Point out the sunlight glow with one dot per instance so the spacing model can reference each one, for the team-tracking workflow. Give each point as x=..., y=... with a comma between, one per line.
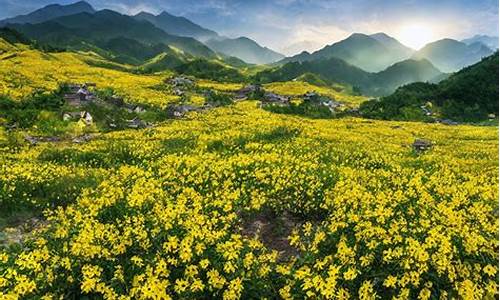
x=415, y=35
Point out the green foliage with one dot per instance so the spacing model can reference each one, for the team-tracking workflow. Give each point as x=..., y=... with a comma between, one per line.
x=131, y=51
x=13, y=36
x=313, y=79
x=303, y=109
x=404, y=104
x=162, y=62
x=217, y=98
x=25, y=113
x=205, y=69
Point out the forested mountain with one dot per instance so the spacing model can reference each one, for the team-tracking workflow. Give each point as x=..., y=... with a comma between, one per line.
x=337, y=70
x=468, y=95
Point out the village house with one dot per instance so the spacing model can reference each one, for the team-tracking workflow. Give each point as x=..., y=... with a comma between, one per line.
x=136, y=123
x=245, y=92
x=272, y=98
x=316, y=99
x=181, y=81
x=179, y=111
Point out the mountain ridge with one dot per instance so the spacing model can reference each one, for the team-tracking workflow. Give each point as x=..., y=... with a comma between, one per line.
x=246, y=49
x=370, y=83
x=450, y=55
x=49, y=12
x=104, y=25
x=361, y=50
x=489, y=41
x=177, y=25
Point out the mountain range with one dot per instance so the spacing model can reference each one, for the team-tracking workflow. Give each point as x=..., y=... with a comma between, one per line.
x=243, y=48
x=376, y=52
x=371, y=53
x=335, y=70
x=175, y=31
x=451, y=55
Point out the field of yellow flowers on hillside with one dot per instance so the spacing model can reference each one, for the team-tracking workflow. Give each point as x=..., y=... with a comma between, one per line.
x=24, y=71
x=238, y=202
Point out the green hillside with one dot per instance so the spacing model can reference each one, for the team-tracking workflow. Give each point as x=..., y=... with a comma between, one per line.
x=468, y=95
x=337, y=70
x=105, y=25
x=212, y=70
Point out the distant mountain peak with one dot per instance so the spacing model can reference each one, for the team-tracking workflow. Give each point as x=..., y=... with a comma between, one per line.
x=490, y=41
x=371, y=53
x=50, y=12
x=82, y=4
x=358, y=35
x=381, y=34
x=246, y=49
x=177, y=25
x=144, y=13
x=450, y=55
x=165, y=14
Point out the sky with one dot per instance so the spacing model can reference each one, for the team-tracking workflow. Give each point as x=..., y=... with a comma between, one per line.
x=290, y=26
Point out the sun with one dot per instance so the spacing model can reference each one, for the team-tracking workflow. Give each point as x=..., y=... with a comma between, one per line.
x=415, y=35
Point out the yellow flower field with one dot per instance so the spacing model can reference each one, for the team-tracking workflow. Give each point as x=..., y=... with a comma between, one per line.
x=30, y=70
x=163, y=212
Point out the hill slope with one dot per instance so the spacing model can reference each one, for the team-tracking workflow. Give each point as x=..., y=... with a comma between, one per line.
x=370, y=53
x=177, y=25
x=245, y=49
x=50, y=12
x=468, y=95
x=400, y=51
x=337, y=70
x=405, y=72
x=450, y=55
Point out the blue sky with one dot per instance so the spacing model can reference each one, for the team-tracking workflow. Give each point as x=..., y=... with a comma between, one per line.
x=291, y=25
